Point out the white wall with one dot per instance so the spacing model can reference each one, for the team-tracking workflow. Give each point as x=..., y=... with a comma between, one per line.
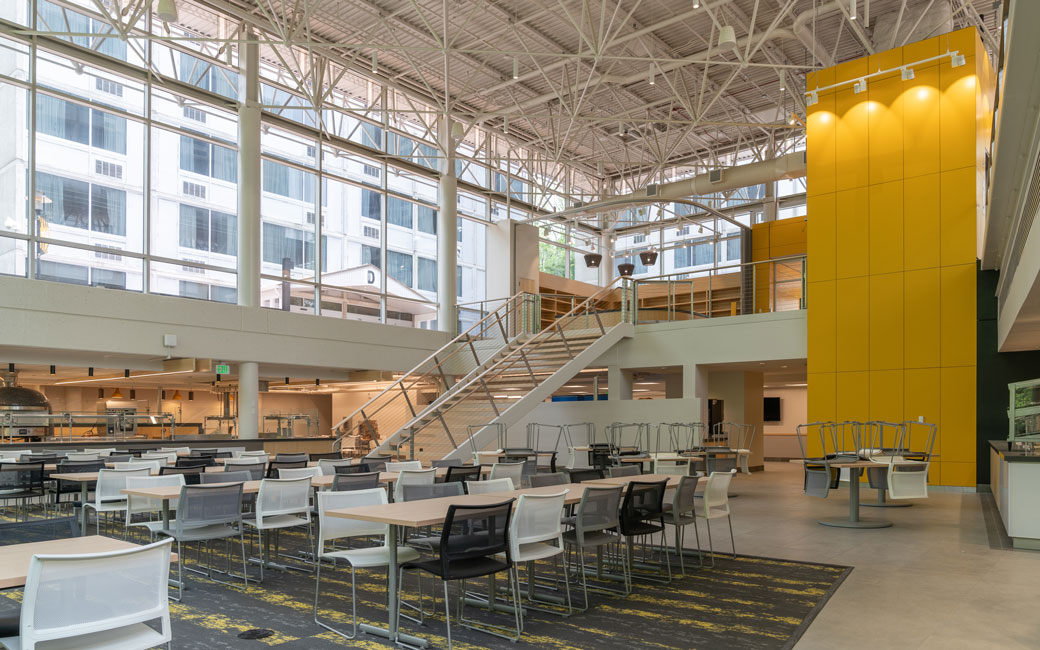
x=780, y=441
x=50, y=318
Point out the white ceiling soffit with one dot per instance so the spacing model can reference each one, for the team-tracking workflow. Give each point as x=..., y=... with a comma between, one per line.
x=573, y=77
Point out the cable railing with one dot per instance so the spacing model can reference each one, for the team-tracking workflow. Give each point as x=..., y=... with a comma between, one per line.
x=487, y=395
x=442, y=371
x=773, y=285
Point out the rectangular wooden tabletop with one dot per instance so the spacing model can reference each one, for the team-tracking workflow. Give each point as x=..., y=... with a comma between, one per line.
x=14, y=559
x=430, y=512
x=673, y=479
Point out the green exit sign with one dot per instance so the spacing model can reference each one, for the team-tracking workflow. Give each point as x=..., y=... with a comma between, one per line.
x=223, y=369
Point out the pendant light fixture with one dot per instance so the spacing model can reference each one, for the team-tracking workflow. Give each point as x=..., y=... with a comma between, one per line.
x=166, y=11
x=116, y=394
x=626, y=269
x=593, y=260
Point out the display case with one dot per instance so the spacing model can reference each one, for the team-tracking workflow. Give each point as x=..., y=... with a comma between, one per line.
x=1024, y=410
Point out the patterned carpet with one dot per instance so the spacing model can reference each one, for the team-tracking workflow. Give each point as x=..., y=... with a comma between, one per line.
x=747, y=603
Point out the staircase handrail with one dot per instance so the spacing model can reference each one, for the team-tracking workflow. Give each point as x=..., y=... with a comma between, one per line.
x=510, y=305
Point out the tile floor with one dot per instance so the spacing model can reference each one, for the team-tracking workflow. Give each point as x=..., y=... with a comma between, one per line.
x=930, y=582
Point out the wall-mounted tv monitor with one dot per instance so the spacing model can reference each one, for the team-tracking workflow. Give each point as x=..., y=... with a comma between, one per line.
x=771, y=409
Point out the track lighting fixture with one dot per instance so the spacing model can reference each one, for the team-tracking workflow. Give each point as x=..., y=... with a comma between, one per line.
x=812, y=98
x=906, y=74
x=859, y=86
x=957, y=60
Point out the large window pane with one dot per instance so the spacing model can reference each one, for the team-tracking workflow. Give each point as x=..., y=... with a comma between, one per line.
x=427, y=278
x=96, y=268
x=371, y=204
x=427, y=220
x=62, y=119
x=398, y=212
x=399, y=267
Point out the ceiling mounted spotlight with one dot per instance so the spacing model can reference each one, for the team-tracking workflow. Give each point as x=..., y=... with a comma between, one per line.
x=812, y=98
x=852, y=9
x=906, y=74
x=593, y=260
x=620, y=128
x=516, y=68
x=505, y=125
x=626, y=270
x=859, y=86
x=648, y=258
x=651, y=79
x=696, y=4
x=957, y=60
x=375, y=63
x=166, y=11
x=793, y=119
x=457, y=131
x=783, y=83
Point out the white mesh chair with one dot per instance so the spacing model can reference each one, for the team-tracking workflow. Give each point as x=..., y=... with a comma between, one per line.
x=512, y=471
x=328, y=465
x=151, y=465
x=108, y=495
x=83, y=455
x=175, y=450
x=672, y=466
x=400, y=466
x=104, y=453
x=299, y=472
x=572, y=459
x=413, y=477
x=486, y=457
x=535, y=533
x=490, y=485
x=204, y=513
x=235, y=451
x=248, y=460
x=597, y=526
x=259, y=452
x=334, y=528
x=96, y=600
x=281, y=503
x=136, y=505
x=163, y=457
x=715, y=505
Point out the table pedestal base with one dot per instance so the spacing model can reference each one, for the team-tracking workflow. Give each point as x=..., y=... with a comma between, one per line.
x=845, y=522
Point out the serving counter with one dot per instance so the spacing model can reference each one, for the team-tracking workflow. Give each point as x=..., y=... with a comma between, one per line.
x=1015, y=480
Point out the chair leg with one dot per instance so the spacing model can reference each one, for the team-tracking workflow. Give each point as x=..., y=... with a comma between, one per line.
x=515, y=588
x=242, y=545
x=447, y=612
x=711, y=548
x=732, y=543
x=180, y=571
x=697, y=534
x=679, y=548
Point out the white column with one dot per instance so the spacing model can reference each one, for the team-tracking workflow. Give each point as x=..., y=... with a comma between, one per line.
x=447, y=228
x=249, y=224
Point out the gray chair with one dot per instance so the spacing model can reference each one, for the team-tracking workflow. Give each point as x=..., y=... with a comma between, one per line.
x=630, y=469
x=543, y=480
x=292, y=458
x=239, y=475
x=376, y=463
x=454, y=462
x=580, y=475
x=596, y=525
x=681, y=514
x=352, y=482
x=256, y=471
x=204, y=513
x=429, y=541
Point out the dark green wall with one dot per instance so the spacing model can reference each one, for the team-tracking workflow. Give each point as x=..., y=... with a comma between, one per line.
x=995, y=371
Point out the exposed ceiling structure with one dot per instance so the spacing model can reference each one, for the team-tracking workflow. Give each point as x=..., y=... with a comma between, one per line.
x=637, y=91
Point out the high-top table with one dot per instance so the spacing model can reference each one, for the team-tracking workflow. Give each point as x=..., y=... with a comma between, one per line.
x=429, y=512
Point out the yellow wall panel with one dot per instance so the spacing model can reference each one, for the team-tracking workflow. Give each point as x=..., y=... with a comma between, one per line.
x=920, y=50
x=957, y=474
x=921, y=132
x=964, y=40
x=885, y=124
x=852, y=318
x=921, y=221
x=820, y=142
x=852, y=226
x=921, y=397
x=957, y=313
x=921, y=324
x=852, y=396
x=886, y=322
x=885, y=244
x=957, y=114
x=821, y=327
x=957, y=216
x=821, y=237
x=886, y=395
x=850, y=70
x=850, y=139
x=821, y=404
x=957, y=417
x=760, y=242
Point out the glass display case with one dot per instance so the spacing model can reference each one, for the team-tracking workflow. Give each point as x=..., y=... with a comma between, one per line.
x=1024, y=410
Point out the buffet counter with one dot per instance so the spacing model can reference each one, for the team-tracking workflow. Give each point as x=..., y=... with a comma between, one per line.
x=1015, y=480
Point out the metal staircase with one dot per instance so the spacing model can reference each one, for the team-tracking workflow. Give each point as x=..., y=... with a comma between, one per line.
x=515, y=378
x=445, y=371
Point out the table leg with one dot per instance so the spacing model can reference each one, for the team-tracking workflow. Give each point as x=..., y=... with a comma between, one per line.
x=166, y=514
x=854, y=520
x=391, y=632
x=82, y=507
x=883, y=502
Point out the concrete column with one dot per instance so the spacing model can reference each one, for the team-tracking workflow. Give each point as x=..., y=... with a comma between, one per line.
x=249, y=224
x=619, y=384
x=447, y=227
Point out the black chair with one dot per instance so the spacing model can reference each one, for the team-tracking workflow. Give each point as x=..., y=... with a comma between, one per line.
x=192, y=475
x=195, y=462
x=461, y=474
x=119, y=458
x=601, y=455
x=580, y=475
x=38, y=530
x=543, y=480
x=471, y=538
x=350, y=481
x=46, y=458
x=136, y=453
x=360, y=468
x=377, y=463
x=74, y=488
x=642, y=515
x=232, y=476
x=275, y=465
x=220, y=454
x=201, y=453
x=291, y=458
x=332, y=455
x=21, y=482
x=256, y=471
x=552, y=461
